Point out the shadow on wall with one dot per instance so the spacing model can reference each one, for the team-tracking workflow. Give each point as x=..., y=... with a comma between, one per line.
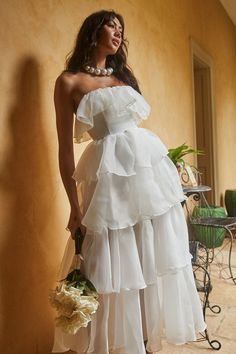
x=26, y=267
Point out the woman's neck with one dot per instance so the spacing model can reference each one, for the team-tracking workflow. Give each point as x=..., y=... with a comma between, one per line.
x=98, y=60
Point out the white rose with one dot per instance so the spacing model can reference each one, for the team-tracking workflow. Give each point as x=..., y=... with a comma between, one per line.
x=74, y=310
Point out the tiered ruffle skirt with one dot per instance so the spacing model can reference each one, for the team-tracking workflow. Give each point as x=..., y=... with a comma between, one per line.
x=136, y=249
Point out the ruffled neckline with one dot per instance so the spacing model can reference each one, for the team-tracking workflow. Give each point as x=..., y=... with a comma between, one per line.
x=86, y=95
x=114, y=102
x=106, y=87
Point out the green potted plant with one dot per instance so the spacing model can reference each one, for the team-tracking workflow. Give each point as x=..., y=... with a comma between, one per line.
x=189, y=175
x=177, y=154
x=210, y=237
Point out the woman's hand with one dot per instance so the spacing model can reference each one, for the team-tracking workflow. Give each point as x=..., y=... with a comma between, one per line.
x=74, y=223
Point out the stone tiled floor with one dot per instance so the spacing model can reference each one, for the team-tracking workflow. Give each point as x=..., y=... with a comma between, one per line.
x=222, y=326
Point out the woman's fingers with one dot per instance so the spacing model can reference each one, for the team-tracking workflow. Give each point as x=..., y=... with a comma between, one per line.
x=83, y=229
x=74, y=228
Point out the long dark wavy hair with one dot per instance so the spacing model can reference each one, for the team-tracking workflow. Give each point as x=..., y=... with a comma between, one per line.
x=86, y=41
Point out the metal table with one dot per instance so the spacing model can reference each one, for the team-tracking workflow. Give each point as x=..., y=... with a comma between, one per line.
x=228, y=224
x=200, y=264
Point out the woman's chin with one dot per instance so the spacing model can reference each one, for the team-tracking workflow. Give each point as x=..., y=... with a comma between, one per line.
x=112, y=50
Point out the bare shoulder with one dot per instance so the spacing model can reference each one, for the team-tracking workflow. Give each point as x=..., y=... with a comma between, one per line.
x=65, y=81
x=73, y=84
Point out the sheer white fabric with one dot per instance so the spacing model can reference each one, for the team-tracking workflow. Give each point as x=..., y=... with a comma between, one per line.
x=136, y=246
x=118, y=101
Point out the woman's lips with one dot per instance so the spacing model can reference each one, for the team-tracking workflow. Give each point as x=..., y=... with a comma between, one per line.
x=116, y=42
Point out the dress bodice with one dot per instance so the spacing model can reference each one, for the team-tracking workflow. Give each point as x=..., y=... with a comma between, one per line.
x=109, y=110
x=122, y=155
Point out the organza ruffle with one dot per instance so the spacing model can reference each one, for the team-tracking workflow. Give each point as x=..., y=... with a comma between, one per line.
x=120, y=154
x=169, y=308
x=130, y=175
x=144, y=277
x=101, y=100
x=136, y=246
x=141, y=249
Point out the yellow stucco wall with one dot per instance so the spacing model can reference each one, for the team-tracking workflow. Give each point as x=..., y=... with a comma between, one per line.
x=35, y=37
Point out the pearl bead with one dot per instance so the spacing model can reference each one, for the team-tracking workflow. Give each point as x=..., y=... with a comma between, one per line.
x=97, y=71
x=109, y=71
x=103, y=71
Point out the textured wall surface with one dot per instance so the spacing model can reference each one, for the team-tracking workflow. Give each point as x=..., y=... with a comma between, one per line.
x=35, y=38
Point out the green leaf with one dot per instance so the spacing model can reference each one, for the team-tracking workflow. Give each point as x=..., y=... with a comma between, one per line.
x=176, y=154
x=79, y=281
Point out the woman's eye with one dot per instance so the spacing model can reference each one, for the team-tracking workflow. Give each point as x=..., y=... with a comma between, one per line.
x=112, y=25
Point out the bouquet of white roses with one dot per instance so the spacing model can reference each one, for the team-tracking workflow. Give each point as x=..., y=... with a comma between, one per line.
x=76, y=298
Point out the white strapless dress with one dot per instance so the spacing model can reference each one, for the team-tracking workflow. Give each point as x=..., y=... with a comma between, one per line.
x=136, y=247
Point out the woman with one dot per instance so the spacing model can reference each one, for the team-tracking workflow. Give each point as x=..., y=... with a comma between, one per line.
x=125, y=196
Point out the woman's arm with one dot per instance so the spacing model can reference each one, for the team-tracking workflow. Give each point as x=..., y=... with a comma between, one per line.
x=64, y=121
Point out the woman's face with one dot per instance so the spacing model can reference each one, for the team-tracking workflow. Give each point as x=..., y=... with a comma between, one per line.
x=110, y=37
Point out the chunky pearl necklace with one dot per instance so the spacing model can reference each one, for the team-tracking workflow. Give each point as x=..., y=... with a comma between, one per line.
x=98, y=71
